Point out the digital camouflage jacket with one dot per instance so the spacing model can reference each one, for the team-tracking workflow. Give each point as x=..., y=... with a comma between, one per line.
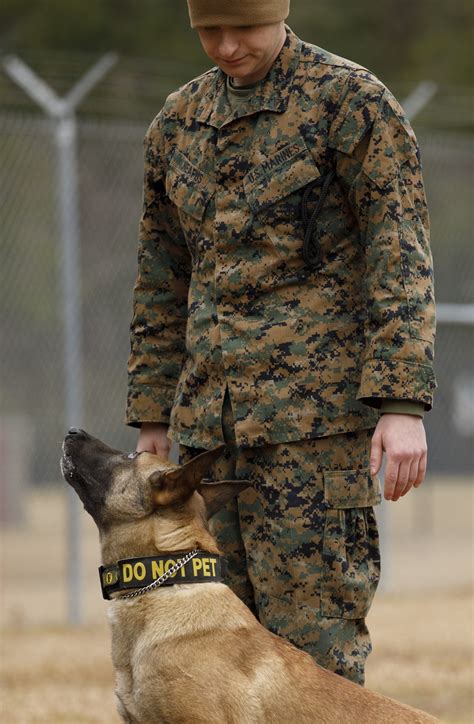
x=283, y=252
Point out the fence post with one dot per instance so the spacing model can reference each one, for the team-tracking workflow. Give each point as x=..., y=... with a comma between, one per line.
x=62, y=111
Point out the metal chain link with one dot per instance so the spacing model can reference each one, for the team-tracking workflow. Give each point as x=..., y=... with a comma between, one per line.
x=159, y=581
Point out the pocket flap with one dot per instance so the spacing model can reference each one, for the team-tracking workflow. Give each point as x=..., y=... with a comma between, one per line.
x=280, y=175
x=187, y=186
x=351, y=488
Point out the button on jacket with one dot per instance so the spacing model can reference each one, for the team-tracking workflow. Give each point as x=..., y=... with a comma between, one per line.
x=284, y=254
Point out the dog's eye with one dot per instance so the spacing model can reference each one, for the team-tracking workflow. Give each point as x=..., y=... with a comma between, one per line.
x=132, y=455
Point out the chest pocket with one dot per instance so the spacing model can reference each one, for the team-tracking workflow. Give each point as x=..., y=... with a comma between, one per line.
x=191, y=190
x=280, y=176
x=286, y=194
x=187, y=186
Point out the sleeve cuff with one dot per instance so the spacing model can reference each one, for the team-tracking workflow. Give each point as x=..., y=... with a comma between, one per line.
x=396, y=379
x=402, y=407
x=144, y=404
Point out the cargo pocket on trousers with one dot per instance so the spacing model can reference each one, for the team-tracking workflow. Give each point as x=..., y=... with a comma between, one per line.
x=351, y=556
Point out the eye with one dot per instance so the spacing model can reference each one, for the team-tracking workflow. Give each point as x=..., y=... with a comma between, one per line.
x=132, y=455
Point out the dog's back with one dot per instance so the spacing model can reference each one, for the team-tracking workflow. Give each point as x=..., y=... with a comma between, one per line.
x=195, y=654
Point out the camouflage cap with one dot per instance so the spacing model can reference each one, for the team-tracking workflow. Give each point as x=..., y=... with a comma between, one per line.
x=241, y=12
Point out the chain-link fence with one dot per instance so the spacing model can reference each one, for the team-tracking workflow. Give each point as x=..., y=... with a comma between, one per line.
x=110, y=178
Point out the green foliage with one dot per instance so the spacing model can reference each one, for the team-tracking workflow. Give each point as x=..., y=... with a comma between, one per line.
x=398, y=39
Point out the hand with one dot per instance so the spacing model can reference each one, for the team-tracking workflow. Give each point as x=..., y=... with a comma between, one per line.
x=403, y=439
x=153, y=438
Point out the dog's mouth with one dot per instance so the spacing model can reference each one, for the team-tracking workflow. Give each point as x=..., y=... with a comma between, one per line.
x=81, y=450
x=79, y=479
x=72, y=449
x=67, y=466
x=84, y=465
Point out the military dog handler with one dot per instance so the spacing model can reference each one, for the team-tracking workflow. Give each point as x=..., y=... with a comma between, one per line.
x=284, y=305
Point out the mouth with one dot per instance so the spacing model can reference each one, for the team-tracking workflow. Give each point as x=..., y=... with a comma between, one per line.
x=82, y=469
x=67, y=466
x=76, y=457
x=70, y=471
x=233, y=62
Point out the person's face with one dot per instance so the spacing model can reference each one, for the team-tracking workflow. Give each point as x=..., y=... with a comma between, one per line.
x=245, y=53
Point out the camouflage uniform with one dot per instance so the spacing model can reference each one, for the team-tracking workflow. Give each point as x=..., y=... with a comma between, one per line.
x=284, y=256
x=302, y=542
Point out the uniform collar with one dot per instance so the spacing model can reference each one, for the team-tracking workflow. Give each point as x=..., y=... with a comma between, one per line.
x=271, y=95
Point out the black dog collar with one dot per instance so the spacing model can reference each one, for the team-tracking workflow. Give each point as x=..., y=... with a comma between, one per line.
x=130, y=573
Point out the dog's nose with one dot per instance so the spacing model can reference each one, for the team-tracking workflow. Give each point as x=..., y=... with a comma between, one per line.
x=77, y=432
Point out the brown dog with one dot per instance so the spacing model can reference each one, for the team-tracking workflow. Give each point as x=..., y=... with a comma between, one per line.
x=185, y=652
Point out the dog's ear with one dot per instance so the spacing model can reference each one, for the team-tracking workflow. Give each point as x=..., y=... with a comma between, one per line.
x=218, y=494
x=177, y=484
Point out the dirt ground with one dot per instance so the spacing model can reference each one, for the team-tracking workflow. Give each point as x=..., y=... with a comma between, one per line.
x=421, y=622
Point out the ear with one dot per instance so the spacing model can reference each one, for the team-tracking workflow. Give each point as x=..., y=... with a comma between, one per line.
x=218, y=494
x=178, y=484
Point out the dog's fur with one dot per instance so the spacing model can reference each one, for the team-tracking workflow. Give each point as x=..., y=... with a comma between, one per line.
x=194, y=653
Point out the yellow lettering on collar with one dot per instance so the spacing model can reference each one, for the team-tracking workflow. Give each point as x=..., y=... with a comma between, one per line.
x=139, y=571
x=169, y=564
x=110, y=577
x=157, y=569
x=197, y=565
x=127, y=572
x=205, y=566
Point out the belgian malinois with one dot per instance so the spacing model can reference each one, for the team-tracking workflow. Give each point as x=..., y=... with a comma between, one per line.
x=192, y=652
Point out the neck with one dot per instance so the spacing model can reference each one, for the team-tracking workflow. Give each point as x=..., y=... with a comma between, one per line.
x=185, y=540
x=160, y=536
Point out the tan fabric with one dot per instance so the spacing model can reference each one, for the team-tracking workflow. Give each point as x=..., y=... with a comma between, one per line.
x=245, y=12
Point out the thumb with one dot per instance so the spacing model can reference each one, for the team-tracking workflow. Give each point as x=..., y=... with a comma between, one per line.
x=376, y=454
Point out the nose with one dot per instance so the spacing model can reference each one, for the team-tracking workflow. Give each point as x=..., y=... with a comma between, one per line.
x=228, y=46
x=78, y=433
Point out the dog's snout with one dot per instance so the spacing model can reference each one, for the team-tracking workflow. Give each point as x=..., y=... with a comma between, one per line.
x=78, y=433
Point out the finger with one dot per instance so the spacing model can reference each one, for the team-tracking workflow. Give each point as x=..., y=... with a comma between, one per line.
x=406, y=489
x=148, y=443
x=421, y=470
x=412, y=475
x=145, y=446
x=376, y=454
x=402, y=480
x=162, y=452
x=391, y=477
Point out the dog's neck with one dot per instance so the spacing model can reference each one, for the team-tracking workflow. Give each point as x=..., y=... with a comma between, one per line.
x=169, y=538
x=175, y=532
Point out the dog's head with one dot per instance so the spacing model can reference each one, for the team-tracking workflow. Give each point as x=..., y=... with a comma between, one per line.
x=140, y=502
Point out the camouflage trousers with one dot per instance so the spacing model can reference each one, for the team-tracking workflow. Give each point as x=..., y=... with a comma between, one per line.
x=302, y=542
